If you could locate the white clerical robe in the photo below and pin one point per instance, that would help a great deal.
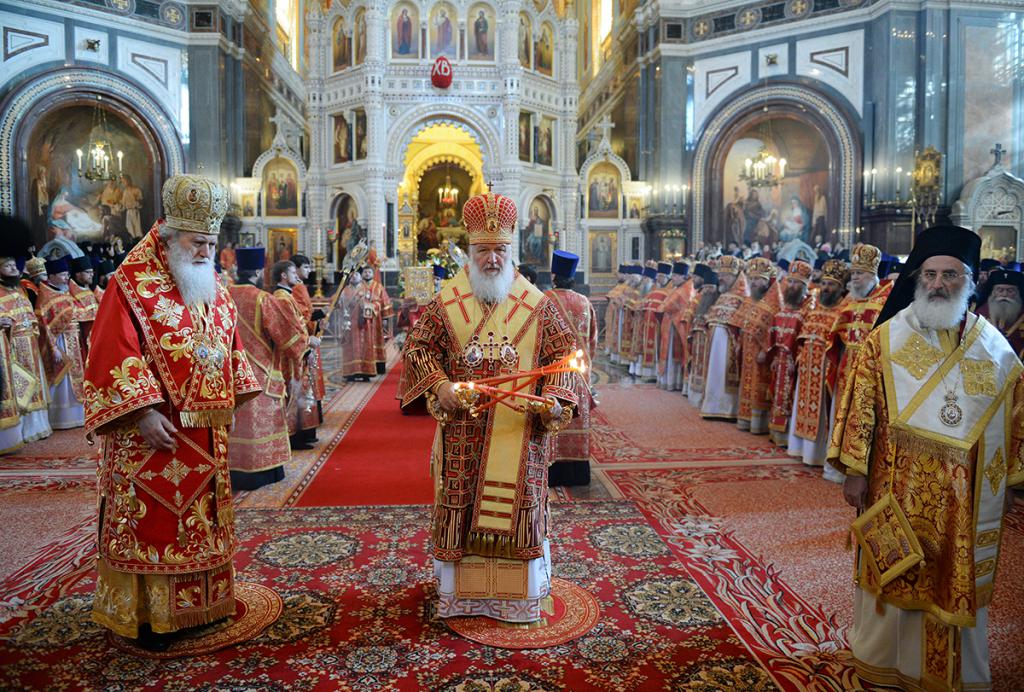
(66, 411)
(718, 401)
(811, 452)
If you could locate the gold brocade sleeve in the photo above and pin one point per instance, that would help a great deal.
(423, 354)
(853, 434)
(1015, 464)
(557, 342)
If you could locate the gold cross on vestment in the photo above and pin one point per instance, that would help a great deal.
(175, 471)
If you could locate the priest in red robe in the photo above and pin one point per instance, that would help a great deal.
(572, 443)
(275, 341)
(359, 321)
(163, 391)
(782, 347)
(58, 315)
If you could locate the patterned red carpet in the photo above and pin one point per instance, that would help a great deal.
(716, 565)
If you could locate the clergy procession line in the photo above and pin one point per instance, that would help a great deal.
(205, 382)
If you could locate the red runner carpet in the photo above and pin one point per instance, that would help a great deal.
(383, 459)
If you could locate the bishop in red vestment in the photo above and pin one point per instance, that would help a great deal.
(58, 315)
(162, 392)
(782, 347)
(755, 321)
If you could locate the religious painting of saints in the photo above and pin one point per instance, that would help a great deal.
(443, 31)
(535, 236)
(524, 136)
(247, 202)
(634, 206)
(544, 135)
(341, 47)
(347, 227)
(481, 43)
(281, 188)
(525, 41)
(543, 51)
(602, 252)
(405, 32)
(673, 248)
(603, 192)
(361, 141)
(282, 244)
(342, 139)
(359, 37)
(64, 207)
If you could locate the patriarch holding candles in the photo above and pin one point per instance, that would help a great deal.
(499, 369)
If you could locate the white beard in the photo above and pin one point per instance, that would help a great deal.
(941, 313)
(491, 289)
(1004, 311)
(197, 282)
(861, 295)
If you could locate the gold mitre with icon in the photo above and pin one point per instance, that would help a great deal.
(194, 203)
(865, 258)
(489, 218)
(836, 270)
(760, 268)
(801, 271)
(728, 264)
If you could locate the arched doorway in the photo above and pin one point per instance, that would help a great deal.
(794, 122)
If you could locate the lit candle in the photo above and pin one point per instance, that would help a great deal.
(782, 168)
(747, 165)
(79, 153)
(874, 178)
(867, 179)
(120, 156)
(685, 189)
(106, 165)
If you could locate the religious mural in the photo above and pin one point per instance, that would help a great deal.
(341, 47)
(484, 29)
(797, 210)
(544, 135)
(361, 140)
(443, 31)
(348, 230)
(543, 51)
(247, 204)
(525, 41)
(535, 236)
(281, 188)
(359, 37)
(282, 244)
(66, 203)
(602, 252)
(405, 32)
(524, 136)
(342, 139)
(603, 192)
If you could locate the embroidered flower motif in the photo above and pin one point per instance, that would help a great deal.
(167, 312)
(674, 602)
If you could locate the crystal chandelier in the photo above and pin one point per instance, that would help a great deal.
(448, 194)
(763, 171)
(95, 162)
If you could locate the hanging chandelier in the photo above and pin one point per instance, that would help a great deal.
(96, 162)
(764, 170)
(448, 194)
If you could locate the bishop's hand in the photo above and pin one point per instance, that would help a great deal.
(157, 431)
(446, 397)
(855, 490)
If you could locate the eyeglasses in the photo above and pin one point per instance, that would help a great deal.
(948, 276)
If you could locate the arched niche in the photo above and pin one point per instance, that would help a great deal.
(993, 207)
(784, 102)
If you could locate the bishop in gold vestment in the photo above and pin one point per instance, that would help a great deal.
(489, 537)
(929, 432)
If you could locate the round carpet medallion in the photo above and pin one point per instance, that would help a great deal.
(568, 613)
(256, 608)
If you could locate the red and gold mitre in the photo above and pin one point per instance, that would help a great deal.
(727, 264)
(760, 268)
(489, 218)
(801, 271)
(194, 203)
(865, 258)
(836, 270)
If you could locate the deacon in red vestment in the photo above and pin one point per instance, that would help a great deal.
(382, 311)
(755, 321)
(163, 391)
(62, 350)
(647, 336)
(815, 369)
(572, 443)
(671, 354)
(782, 347)
(359, 323)
(490, 524)
(275, 341)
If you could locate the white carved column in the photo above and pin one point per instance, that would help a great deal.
(570, 235)
(321, 132)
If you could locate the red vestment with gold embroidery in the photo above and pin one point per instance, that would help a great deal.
(754, 322)
(58, 312)
(166, 517)
(572, 443)
(672, 339)
(359, 332)
(856, 320)
(646, 338)
(782, 351)
(815, 364)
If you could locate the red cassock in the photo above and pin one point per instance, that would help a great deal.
(274, 340)
(755, 398)
(360, 327)
(572, 443)
(166, 518)
(301, 295)
(783, 339)
(646, 337)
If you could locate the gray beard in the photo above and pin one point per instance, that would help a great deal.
(491, 289)
(861, 295)
(1004, 312)
(197, 282)
(941, 313)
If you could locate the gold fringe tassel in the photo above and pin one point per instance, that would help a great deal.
(920, 446)
(206, 419)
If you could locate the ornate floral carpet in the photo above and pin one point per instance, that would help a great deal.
(355, 583)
